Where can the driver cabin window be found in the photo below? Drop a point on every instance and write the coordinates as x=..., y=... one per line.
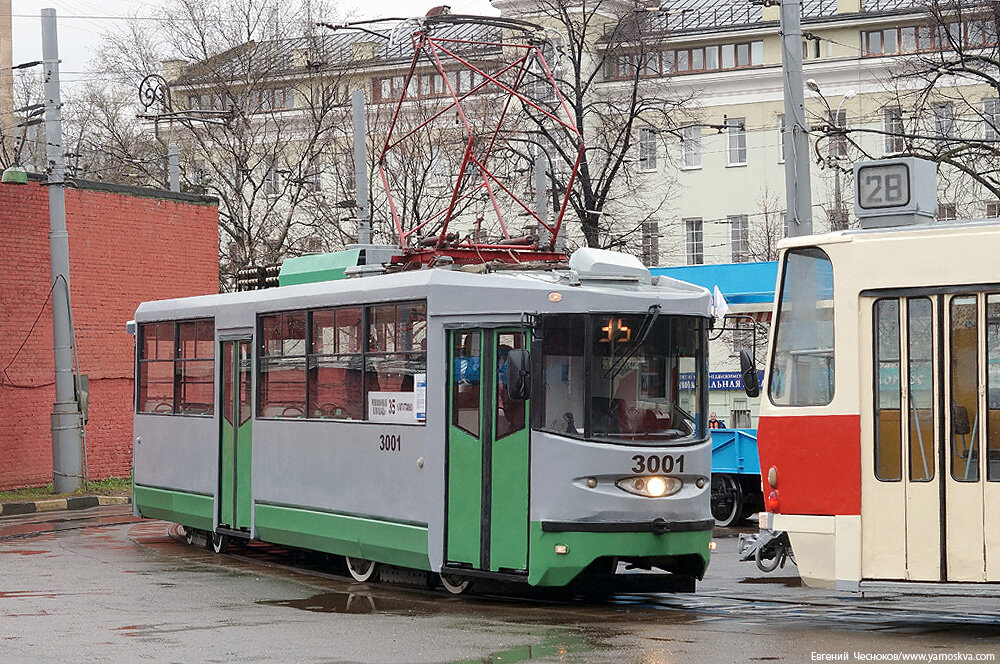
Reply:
x=802, y=370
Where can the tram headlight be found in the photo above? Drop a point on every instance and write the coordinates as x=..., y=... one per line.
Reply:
x=653, y=486
x=656, y=486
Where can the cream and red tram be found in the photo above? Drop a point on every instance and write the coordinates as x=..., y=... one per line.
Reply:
x=879, y=431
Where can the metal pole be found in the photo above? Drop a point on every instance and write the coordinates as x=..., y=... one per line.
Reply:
x=838, y=199
x=67, y=452
x=174, y=167
x=798, y=218
x=361, y=167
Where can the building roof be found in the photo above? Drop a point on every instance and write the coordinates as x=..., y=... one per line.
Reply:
x=336, y=49
x=740, y=283
x=699, y=15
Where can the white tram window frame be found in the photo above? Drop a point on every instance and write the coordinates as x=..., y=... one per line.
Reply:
x=886, y=396
x=777, y=377
x=408, y=344
x=992, y=386
x=177, y=362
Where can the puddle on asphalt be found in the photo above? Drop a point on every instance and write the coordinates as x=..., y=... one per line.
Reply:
x=564, y=648
x=787, y=581
x=353, y=603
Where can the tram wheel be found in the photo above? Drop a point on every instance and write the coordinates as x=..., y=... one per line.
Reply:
x=727, y=500
x=454, y=585
x=188, y=535
x=362, y=570
x=220, y=542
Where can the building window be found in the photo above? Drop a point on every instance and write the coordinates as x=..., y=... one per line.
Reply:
x=913, y=39
x=781, y=138
x=694, y=241
x=893, y=121
x=944, y=119
x=177, y=368
x=272, y=180
x=947, y=212
x=314, y=170
x=690, y=60
x=991, y=117
x=736, y=153
x=838, y=142
x=650, y=242
x=691, y=146
x=993, y=210
x=647, y=149
x=739, y=227
x=743, y=338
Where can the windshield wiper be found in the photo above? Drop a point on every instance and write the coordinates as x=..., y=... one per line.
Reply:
x=647, y=326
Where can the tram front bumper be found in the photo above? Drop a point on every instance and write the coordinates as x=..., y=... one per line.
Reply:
x=559, y=551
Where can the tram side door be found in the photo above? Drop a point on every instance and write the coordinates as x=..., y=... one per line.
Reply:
x=931, y=476
x=901, y=434
x=488, y=446
x=235, y=438
x=971, y=459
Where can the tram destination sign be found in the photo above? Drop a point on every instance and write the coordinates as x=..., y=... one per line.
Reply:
x=895, y=192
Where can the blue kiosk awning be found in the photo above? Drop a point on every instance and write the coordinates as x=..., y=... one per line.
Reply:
x=740, y=283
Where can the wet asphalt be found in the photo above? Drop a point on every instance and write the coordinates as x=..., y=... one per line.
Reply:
x=94, y=586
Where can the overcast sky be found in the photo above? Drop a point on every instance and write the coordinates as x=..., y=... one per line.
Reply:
x=82, y=22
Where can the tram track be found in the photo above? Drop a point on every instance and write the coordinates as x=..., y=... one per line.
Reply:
x=883, y=612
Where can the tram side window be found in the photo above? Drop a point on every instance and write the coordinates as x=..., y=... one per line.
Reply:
x=802, y=371
x=335, y=364
x=396, y=362
x=993, y=387
x=283, y=365
x=920, y=344
x=196, y=368
x=888, y=440
x=177, y=368
x=964, y=332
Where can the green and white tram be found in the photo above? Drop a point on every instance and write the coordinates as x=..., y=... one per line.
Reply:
x=534, y=426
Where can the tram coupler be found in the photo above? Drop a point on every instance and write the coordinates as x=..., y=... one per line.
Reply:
x=768, y=548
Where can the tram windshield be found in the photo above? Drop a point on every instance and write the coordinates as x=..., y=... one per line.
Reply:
x=647, y=376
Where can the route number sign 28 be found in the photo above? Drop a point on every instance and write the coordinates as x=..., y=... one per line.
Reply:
x=883, y=186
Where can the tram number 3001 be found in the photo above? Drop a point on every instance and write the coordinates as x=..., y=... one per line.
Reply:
x=388, y=442
x=658, y=464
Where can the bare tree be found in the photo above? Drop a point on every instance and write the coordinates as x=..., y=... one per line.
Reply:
x=256, y=114
x=946, y=94
x=605, y=70
x=763, y=235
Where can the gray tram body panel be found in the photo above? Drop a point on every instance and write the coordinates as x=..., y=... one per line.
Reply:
x=337, y=466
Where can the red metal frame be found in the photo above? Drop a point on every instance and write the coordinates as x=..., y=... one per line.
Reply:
x=439, y=52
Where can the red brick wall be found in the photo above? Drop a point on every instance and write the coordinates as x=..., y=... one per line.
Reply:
x=124, y=250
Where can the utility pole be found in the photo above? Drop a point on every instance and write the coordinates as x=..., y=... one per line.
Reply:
x=67, y=452
x=361, y=168
x=798, y=196
x=174, y=167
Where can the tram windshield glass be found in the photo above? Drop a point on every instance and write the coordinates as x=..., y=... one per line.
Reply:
x=647, y=376
x=802, y=371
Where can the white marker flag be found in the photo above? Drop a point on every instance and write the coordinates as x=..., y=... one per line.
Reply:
x=719, y=304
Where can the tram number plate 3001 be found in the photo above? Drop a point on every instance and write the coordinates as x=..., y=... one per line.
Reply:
x=658, y=464
x=388, y=442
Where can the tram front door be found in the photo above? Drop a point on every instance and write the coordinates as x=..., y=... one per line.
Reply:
x=930, y=495
x=235, y=435
x=487, y=520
